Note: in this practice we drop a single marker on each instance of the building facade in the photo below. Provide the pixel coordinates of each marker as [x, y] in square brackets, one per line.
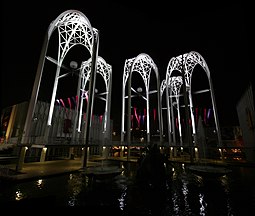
[60, 141]
[246, 116]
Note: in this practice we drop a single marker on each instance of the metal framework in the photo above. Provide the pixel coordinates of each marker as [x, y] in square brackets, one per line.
[174, 89]
[73, 29]
[105, 70]
[142, 64]
[185, 64]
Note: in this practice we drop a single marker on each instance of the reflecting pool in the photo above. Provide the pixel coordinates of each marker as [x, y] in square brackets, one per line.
[186, 193]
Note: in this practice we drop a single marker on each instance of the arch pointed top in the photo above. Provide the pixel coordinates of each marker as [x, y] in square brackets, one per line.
[103, 68]
[143, 64]
[188, 61]
[69, 15]
[145, 57]
[73, 28]
[192, 59]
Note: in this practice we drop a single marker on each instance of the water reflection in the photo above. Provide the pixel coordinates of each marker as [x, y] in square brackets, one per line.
[39, 183]
[122, 199]
[224, 180]
[19, 195]
[186, 193]
[203, 205]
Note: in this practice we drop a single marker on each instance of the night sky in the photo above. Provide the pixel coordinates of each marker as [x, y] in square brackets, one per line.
[221, 33]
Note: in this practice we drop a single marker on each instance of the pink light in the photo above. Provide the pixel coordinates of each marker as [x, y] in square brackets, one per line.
[136, 116]
[69, 102]
[86, 96]
[62, 102]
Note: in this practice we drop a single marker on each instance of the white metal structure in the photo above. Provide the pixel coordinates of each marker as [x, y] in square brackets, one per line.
[142, 64]
[73, 28]
[185, 64]
[175, 84]
[105, 70]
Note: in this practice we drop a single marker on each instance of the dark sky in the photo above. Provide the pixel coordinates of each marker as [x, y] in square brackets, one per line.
[221, 33]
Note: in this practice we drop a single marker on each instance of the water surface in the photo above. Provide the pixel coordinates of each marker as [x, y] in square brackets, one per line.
[186, 193]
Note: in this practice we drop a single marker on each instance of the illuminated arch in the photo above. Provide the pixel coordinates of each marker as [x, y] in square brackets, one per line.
[187, 63]
[74, 28]
[174, 89]
[142, 64]
[105, 70]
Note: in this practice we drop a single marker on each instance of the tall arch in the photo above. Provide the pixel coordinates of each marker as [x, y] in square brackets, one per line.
[142, 64]
[193, 58]
[185, 65]
[105, 70]
[74, 28]
[174, 89]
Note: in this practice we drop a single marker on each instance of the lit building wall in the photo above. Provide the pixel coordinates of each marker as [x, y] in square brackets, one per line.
[16, 122]
[246, 116]
[61, 130]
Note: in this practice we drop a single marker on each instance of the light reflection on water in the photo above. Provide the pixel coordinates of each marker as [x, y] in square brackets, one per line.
[39, 183]
[19, 195]
[187, 193]
[203, 205]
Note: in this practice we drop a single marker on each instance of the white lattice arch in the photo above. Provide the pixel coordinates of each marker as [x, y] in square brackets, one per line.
[142, 64]
[174, 89]
[105, 70]
[73, 29]
[189, 61]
